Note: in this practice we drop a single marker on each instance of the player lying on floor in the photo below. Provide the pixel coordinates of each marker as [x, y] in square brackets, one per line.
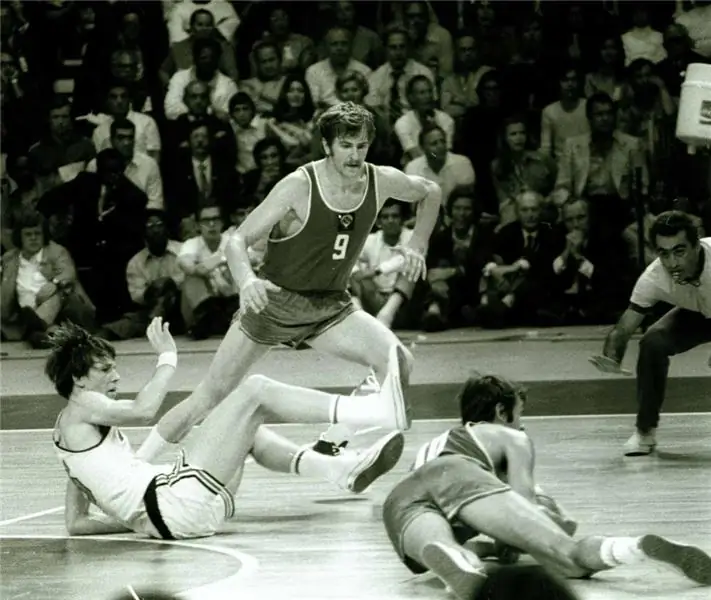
[192, 497]
[480, 475]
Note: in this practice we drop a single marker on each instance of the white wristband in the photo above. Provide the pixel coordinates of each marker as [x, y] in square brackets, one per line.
[167, 358]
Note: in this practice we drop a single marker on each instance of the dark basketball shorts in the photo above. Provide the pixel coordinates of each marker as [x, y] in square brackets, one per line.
[443, 486]
[292, 318]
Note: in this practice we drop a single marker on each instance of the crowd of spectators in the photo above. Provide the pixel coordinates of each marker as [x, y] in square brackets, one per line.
[137, 135]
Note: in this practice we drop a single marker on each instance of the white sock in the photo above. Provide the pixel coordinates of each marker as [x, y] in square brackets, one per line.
[615, 551]
[153, 445]
[309, 463]
[357, 411]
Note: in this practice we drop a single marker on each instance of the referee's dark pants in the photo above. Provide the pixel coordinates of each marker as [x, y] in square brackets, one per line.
[677, 331]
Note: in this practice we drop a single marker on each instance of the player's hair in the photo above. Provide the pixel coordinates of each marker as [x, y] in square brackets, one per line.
[481, 394]
[525, 582]
[672, 222]
[346, 119]
[74, 352]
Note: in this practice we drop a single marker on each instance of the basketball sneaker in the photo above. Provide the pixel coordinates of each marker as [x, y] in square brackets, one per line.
[393, 390]
[361, 469]
[460, 569]
[641, 444]
[369, 385]
[692, 562]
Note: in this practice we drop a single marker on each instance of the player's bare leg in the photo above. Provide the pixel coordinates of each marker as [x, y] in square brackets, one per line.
[513, 520]
[232, 430]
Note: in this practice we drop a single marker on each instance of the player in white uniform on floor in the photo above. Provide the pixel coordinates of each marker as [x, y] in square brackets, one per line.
[192, 497]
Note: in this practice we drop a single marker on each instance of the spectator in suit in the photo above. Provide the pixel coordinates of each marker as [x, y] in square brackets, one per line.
[141, 169]
[39, 284]
[197, 101]
[201, 175]
[369, 285]
[206, 61]
[599, 165]
[388, 84]
[593, 279]
[154, 280]
[180, 56]
[118, 106]
[519, 276]
[265, 87]
[209, 294]
[456, 257]
[102, 217]
[322, 76]
[420, 93]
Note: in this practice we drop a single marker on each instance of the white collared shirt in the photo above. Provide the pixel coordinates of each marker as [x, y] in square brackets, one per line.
[656, 285]
[457, 171]
[247, 138]
[381, 82]
[222, 88]
[144, 173]
[408, 128]
[29, 280]
[321, 79]
[147, 136]
[195, 251]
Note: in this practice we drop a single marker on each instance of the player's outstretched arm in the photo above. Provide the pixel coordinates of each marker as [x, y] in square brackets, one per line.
[613, 352]
[101, 410]
[78, 520]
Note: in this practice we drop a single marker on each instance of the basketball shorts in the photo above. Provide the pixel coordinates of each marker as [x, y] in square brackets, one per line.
[443, 486]
[186, 502]
[291, 318]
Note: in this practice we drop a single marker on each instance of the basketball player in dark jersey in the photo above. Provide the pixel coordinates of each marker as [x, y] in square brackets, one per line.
[480, 474]
[317, 220]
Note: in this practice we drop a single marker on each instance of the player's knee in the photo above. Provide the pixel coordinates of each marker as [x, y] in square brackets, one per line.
[655, 341]
[255, 385]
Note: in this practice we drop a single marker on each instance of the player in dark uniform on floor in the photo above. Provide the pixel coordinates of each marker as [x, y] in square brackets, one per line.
[480, 475]
[317, 220]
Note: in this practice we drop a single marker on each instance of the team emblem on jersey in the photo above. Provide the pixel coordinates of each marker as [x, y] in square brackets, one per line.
[346, 222]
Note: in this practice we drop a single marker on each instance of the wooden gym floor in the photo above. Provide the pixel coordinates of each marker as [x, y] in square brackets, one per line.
[303, 539]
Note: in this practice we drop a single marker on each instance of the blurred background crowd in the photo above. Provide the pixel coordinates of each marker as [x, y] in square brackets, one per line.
[137, 135]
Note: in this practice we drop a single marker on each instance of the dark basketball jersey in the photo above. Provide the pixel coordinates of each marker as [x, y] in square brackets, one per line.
[460, 440]
[321, 255]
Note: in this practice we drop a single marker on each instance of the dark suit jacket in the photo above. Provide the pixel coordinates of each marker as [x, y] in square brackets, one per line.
[224, 143]
[182, 189]
[508, 246]
[95, 243]
[56, 263]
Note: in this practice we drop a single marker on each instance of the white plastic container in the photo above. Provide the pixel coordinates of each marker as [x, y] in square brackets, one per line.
[693, 123]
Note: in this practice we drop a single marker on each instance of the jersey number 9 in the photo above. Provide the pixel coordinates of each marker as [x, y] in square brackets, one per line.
[340, 245]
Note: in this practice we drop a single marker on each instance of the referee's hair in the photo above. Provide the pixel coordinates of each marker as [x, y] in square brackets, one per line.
[671, 223]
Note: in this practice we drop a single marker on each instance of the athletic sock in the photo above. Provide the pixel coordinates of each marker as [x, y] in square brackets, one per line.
[615, 551]
[357, 411]
[309, 463]
[153, 445]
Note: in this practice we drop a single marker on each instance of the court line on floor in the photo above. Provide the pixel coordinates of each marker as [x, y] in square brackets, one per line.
[222, 588]
[447, 420]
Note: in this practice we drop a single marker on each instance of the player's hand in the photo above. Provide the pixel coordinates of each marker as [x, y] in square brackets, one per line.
[254, 293]
[158, 334]
[605, 364]
[415, 266]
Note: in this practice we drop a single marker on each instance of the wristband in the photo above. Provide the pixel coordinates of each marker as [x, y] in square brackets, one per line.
[168, 358]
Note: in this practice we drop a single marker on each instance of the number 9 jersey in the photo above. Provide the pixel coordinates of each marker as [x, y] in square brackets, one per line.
[321, 255]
